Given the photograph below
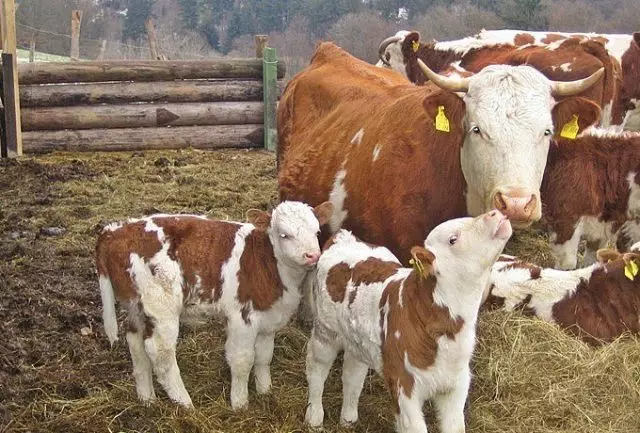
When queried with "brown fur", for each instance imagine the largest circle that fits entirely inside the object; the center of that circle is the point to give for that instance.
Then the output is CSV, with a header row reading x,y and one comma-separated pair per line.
x,y
523,39
534,271
630,86
337,279
373,270
551,38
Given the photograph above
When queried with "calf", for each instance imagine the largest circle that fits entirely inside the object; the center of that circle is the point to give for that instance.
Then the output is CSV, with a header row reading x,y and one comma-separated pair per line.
x,y
415,327
590,187
597,303
165,268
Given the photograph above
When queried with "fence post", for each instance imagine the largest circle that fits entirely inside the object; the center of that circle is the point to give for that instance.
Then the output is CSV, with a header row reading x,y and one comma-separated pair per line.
x,y
32,50
153,40
76,18
12,145
103,49
270,89
261,42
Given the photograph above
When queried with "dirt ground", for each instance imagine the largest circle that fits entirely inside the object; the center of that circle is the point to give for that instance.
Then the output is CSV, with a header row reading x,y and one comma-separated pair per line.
x,y
58,373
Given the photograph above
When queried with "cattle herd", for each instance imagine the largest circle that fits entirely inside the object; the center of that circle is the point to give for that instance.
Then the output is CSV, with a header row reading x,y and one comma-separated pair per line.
x,y
417,168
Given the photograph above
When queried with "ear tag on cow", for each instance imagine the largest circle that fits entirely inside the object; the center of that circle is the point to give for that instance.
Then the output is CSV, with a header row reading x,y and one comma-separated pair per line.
x,y
571,128
415,45
442,123
418,267
630,270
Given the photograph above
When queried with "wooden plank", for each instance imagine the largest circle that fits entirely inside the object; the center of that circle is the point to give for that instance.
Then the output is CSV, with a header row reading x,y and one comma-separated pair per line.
x,y
151,37
141,70
11,94
76,19
270,98
92,140
141,115
128,92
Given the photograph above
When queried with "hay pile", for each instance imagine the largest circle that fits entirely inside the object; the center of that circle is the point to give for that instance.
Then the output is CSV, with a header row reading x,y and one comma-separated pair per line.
x,y
528,376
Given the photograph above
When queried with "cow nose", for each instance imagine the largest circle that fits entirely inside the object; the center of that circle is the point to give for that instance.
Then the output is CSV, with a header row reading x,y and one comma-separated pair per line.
x,y
311,258
515,208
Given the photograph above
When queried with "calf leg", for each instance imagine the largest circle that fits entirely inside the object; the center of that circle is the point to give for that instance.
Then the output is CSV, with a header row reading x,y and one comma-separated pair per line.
x,y
240,354
161,349
321,353
142,368
354,373
450,405
264,354
410,418
566,254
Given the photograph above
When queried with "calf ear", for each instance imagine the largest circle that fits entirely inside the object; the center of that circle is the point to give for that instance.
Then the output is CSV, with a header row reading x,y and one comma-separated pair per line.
x,y
422,261
588,113
259,218
606,255
409,44
323,212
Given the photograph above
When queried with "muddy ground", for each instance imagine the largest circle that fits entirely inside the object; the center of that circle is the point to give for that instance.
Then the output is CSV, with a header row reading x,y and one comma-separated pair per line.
x,y
58,374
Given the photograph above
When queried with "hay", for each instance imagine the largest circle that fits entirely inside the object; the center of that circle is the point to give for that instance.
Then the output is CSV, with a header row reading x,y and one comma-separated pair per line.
x,y
528,376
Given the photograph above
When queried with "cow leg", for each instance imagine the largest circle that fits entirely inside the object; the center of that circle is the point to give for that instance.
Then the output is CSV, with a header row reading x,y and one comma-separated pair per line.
x,y
320,356
450,405
590,251
566,254
161,349
354,373
142,367
264,354
240,353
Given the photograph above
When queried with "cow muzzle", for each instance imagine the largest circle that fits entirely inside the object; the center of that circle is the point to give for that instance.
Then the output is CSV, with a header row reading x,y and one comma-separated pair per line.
x,y
520,206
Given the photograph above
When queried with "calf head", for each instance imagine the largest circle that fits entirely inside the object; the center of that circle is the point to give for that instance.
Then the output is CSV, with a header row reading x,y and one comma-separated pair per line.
x,y
293,229
630,91
508,128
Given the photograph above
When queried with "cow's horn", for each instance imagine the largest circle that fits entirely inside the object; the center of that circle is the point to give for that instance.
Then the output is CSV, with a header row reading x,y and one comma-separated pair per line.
x,y
383,46
454,84
568,88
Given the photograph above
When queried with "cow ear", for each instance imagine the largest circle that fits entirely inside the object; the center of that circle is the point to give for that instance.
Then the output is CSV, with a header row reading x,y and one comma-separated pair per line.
x,y
636,39
323,212
259,218
445,110
575,109
422,261
409,44
606,255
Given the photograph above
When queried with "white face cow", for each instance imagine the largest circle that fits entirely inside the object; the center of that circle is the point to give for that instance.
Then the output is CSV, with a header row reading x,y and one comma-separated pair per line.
x,y
508,131
390,53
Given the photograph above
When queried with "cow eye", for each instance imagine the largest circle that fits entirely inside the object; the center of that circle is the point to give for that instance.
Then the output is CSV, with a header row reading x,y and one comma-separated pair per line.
x,y
476,130
453,239
284,236
547,132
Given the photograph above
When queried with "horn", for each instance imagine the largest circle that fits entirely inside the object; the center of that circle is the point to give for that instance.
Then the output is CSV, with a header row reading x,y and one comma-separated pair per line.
x,y
454,84
383,46
568,88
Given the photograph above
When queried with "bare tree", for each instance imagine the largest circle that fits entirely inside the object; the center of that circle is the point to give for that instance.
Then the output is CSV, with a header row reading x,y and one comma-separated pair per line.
x,y
563,16
455,21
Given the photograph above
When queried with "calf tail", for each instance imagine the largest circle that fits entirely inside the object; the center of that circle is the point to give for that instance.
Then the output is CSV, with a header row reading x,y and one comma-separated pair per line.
x,y
108,309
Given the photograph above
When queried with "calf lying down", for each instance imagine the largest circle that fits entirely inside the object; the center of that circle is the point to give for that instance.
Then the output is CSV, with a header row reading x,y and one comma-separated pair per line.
x,y
597,303
164,268
415,327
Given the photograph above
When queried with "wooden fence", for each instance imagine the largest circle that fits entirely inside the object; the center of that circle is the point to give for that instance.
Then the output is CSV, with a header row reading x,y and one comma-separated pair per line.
x,y
139,105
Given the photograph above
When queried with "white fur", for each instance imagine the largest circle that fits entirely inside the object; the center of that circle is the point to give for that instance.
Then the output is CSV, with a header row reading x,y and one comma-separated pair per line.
x,y
108,309
376,152
357,138
566,254
462,273
337,196
396,59
631,120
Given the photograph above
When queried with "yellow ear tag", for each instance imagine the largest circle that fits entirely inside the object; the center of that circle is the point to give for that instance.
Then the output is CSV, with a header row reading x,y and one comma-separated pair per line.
x,y
415,45
442,123
417,266
630,270
571,128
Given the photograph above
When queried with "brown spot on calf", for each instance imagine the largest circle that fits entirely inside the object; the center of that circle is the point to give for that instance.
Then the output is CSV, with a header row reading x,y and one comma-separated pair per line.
x,y
258,278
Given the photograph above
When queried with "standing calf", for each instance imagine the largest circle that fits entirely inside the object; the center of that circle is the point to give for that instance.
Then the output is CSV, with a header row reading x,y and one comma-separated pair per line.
x,y
166,267
415,327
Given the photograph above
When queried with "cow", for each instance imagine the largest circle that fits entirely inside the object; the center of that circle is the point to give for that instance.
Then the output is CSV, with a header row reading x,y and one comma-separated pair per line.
x,y
590,187
413,326
597,303
398,160
566,60
171,268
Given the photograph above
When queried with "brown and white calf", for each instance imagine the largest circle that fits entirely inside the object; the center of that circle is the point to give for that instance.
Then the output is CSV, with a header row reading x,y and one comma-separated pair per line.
x,y
415,327
165,268
590,187
597,303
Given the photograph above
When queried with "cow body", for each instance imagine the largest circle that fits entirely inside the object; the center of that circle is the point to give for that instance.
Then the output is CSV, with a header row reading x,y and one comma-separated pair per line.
x,y
597,303
390,171
415,327
590,189
168,268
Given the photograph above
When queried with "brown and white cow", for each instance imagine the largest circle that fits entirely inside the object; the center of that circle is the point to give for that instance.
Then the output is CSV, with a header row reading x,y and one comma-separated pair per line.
x,y
625,48
597,303
166,268
388,164
591,187
414,326
566,60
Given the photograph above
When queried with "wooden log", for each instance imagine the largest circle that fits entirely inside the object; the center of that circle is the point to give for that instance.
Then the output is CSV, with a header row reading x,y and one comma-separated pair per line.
x,y
141,115
76,19
198,137
141,70
127,92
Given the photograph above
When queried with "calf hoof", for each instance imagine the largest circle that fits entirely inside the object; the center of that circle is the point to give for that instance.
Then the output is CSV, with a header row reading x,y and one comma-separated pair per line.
x,y
314,416
263,384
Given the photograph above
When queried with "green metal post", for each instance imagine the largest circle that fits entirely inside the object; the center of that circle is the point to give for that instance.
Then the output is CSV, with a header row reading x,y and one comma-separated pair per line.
x,y
270,97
